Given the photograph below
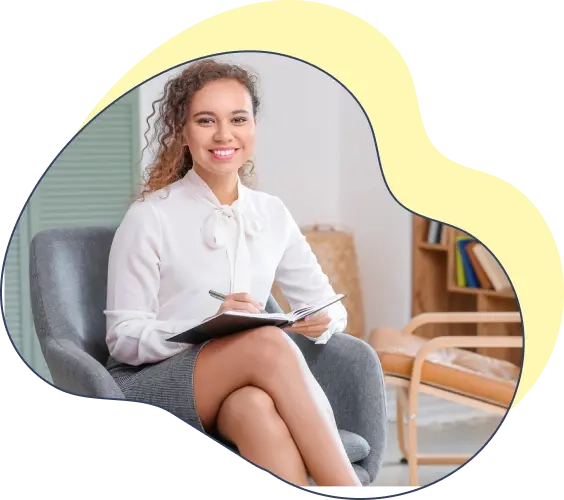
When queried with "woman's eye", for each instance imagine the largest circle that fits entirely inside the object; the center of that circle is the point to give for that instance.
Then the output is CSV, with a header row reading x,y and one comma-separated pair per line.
x,y
209,121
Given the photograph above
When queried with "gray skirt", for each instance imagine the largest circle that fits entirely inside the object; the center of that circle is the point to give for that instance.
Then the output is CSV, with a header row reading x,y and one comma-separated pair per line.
x,y
168,384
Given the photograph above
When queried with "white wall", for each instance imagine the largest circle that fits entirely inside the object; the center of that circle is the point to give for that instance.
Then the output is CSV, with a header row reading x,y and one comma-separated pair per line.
x,y
381,226
315,151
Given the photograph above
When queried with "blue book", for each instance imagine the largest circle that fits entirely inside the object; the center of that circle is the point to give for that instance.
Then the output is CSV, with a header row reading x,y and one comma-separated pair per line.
x,y
471,278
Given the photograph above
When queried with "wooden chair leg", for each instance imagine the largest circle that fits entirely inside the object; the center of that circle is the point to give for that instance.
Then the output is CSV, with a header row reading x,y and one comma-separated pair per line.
x,y
407,409
410,402
400,412
412,458
409,452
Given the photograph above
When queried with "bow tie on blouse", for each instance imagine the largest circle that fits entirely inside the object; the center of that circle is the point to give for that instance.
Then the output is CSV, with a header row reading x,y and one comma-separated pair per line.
x,y
228,227
215,228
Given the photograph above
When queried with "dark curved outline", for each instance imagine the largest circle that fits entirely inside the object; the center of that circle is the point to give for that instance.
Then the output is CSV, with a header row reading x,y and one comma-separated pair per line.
x,y
389,190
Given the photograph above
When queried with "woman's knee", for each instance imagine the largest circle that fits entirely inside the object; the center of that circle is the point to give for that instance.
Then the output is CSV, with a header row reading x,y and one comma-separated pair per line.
x,y
245,403
273,350
248,412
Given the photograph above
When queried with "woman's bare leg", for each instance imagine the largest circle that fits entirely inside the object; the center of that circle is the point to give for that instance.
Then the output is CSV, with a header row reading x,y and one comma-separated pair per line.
x,y
268,359
249,420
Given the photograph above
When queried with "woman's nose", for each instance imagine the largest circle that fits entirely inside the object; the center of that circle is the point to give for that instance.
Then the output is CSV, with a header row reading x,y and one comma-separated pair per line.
x,y
223,133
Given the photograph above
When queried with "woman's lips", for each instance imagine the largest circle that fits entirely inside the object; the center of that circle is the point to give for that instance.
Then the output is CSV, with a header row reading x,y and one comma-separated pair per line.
x,y
223,154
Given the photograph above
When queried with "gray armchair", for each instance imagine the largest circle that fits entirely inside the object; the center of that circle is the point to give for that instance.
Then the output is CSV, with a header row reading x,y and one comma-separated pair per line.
x,y
68,277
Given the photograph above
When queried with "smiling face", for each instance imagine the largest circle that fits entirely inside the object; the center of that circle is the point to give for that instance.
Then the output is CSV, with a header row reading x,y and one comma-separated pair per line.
x,y
220,130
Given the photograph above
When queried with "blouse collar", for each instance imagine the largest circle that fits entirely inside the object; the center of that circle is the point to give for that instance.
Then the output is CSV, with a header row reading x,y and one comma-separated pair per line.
x,y
241,210
200,189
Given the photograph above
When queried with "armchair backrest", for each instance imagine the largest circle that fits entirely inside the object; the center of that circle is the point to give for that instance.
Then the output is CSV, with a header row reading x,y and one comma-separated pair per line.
x,y
68,280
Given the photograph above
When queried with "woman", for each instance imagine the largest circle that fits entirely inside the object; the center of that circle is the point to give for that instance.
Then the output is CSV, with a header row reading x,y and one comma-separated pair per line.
x,y
198,227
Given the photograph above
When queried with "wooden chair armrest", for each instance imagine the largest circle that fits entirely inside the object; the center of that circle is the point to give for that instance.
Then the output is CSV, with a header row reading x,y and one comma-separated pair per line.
x,y
469,341
461,317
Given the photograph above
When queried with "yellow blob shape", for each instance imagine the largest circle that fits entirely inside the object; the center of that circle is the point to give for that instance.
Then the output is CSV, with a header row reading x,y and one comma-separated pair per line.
x,y
418,176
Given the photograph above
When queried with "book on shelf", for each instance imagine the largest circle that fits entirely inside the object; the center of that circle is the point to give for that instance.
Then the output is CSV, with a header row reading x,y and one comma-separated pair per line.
x,y
476,267
437,233
481,275
470,279
492,268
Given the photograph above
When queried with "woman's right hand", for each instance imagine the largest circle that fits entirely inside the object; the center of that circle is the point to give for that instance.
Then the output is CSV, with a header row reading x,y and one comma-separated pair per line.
x,y
240,302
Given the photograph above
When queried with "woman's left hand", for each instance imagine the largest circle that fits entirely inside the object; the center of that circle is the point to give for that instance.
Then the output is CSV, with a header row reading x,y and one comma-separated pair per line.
x,y
312,326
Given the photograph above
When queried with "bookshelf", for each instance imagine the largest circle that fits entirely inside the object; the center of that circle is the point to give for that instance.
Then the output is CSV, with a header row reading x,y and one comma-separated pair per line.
x,y
435,289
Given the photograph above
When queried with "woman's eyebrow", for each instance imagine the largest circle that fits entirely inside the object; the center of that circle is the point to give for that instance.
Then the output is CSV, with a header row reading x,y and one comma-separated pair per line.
x,y
236,112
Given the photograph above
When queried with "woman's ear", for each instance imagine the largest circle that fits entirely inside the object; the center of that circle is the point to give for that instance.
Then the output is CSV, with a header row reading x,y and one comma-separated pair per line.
x,y
184,136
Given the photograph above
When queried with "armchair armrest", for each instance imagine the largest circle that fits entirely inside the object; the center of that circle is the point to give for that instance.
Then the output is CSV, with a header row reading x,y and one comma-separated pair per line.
x,y
75,371
351,376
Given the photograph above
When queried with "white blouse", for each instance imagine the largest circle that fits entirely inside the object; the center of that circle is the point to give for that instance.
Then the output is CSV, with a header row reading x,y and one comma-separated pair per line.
x,y
180,242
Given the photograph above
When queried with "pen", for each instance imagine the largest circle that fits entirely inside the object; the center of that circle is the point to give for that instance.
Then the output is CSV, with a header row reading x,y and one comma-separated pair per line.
x,y
221,296
217,295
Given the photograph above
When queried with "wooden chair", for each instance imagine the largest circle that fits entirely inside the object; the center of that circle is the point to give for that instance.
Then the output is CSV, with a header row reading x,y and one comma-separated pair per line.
x,y
443,367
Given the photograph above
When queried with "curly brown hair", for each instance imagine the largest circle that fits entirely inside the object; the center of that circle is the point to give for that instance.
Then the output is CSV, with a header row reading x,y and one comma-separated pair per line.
x,y
173,159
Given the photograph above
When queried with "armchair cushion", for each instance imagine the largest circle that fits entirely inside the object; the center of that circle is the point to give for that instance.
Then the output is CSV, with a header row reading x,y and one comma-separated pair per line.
x,y
356,446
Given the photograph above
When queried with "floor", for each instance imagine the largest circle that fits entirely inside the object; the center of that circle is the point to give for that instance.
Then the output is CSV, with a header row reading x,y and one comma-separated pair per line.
x,y
446,428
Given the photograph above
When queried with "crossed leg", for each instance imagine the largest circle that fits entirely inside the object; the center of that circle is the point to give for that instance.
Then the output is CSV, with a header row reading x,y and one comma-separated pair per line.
x,y
267,359
248,418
